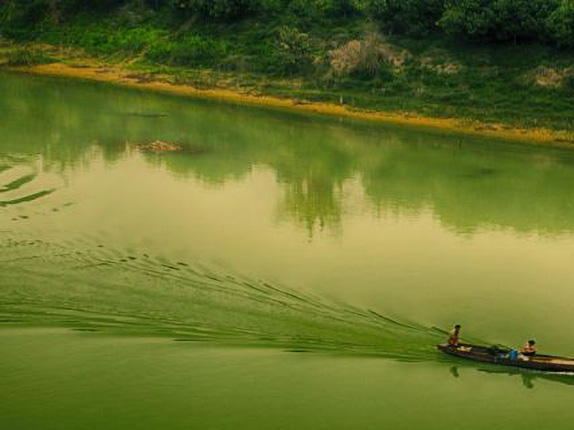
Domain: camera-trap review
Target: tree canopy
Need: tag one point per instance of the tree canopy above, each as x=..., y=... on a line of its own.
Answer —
x=479, y=21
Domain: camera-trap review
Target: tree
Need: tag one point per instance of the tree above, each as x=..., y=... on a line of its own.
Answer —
x=523, y=20
x=220, y=10
x=341, y=8
x=560, y=24
x=407, y=17
x=294, y=51
x=497, y=20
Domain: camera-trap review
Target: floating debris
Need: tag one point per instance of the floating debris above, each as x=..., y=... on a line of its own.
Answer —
x=158, y=145
x=147, y=114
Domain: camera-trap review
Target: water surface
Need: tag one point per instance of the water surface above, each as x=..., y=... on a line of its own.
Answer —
x=294, y=271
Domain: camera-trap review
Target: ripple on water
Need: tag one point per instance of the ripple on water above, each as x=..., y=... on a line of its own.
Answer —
x=21, y=181
x=99, y=287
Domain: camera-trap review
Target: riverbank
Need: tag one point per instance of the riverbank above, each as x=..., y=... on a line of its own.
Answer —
x=66, y=63
x=365, y=61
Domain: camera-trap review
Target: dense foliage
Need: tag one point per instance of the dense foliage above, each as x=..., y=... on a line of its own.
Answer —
x=502, y=20
x=281, y=37
x=478, y=20
x=492, y=60
x=219, y=10
x=408, y=17
x=561, y=23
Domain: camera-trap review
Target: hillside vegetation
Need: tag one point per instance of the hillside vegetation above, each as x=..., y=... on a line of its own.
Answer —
x=505, y=61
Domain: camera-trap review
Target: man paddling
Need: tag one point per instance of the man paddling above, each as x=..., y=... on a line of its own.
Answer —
x=454, y=336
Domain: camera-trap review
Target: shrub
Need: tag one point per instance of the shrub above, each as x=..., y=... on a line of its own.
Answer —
x=341, y=8
x=221, y=10
x=34, y=11
x=26, y=57
x=133, y=40
x=497, y=20
x=193, y=50
x=362, y=59
x=560, y=24
x=293, y=52
x=407, y=17
x=102, y=40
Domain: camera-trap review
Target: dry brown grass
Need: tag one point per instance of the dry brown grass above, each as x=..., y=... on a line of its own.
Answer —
x=549, y=77
x=366, y=56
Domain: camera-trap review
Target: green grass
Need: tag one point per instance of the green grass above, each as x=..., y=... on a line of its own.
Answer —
x=26, y=56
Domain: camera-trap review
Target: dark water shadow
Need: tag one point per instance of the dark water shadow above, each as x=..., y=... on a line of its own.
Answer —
x=526, y=377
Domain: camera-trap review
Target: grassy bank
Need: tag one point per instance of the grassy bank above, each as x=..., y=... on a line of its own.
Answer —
x=52, y=61
x=343, y=60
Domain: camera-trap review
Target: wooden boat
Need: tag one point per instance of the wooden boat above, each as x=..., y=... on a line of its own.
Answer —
x=485, y=354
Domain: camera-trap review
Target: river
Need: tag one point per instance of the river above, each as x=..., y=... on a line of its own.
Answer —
x=281, y=271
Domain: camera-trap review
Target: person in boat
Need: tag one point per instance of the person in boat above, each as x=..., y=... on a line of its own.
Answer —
x=454, y=336
x=529, y=348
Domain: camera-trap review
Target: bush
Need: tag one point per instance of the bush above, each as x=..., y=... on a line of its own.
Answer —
x=407, y=17
x=103, y=40
x=34, y=11
x=193, y=51
x=498, y=20
x=560, y=24
x=133, y=40
x=221, y=10
x=26, y=57
x=341, y=8
x=293, y=52
x=366, y=59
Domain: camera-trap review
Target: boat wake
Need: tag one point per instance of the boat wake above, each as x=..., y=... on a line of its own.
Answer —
x=95, y=288
x=19, y=181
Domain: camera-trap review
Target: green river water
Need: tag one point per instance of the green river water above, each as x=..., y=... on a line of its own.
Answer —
x=283, y=271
